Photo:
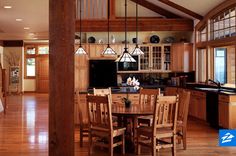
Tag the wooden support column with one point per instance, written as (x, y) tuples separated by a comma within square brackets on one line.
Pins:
[(61, 77)]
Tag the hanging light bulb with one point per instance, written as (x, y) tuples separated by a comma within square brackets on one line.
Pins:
[(80, 50), (125, 56), (108, 50), (137, 50)]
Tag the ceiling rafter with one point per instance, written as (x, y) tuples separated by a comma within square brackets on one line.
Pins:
[(182, 9), (156, 9)]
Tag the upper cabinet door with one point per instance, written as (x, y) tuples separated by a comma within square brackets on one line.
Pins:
[(182, 58), (145, 59)]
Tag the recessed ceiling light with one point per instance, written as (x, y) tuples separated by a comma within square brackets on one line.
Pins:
[(26, 28), (35, 38), (7, 7), (18, 19)]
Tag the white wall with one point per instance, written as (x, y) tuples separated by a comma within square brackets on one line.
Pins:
[(29, 85)]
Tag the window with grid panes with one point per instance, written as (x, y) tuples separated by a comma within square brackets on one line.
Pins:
[(223, 25)]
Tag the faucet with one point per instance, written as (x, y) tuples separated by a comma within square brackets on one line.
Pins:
[(217, 83)]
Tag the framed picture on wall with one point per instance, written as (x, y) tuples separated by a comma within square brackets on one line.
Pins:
[(14, 75)]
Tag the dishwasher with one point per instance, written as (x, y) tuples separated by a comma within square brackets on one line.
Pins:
[(212, 109)]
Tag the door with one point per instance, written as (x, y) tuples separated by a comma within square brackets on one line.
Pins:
[(42, 78)]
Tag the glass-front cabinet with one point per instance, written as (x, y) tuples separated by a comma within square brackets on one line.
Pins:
[(156, 57)]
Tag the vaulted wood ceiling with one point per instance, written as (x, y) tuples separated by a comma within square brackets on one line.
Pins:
[(178, 14)]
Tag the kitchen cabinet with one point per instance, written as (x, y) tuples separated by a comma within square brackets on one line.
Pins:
[(81, 71), (96, 50), (156, 57), (227, 111), (182, 57), (197, 105)]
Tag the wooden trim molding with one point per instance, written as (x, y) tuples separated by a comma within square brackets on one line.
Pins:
[(152, 24), (182, 9), (156, 9), (13, 43)]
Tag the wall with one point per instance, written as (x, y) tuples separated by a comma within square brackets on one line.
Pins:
[(142, 12), (29, 85)]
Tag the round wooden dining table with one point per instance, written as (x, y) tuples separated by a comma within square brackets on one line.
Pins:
[(133, 112)]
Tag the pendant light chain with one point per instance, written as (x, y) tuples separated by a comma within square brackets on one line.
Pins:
[(137, 23), (126, 26), (108, 22), (80, 21)]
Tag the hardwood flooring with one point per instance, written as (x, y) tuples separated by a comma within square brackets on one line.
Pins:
[(24, 132)]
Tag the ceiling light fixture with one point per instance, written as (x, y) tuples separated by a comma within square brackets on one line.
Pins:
[(18, 19), (7, 7), (108, 50), (125, 56), (80, 50), (26, 28), (137, 50)]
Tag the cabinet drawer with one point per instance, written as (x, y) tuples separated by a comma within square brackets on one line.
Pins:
[(118, 97), (198, 93), (224, 98)]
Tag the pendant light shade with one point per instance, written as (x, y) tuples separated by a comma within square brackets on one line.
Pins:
[(80, 50), (108, 50), (125, 56), (137, 50)]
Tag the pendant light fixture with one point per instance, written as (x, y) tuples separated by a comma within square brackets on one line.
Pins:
[(125, 56), (137, 50), (80, 50), (108, 50)]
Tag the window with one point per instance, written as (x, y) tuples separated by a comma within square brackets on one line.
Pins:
[(223, 25), (30, 67), (31, 54), (202, 35), (220, 65)]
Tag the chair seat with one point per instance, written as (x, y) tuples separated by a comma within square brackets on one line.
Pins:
[(105, 132), (160, 132)]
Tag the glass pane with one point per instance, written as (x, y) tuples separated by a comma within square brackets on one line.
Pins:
[(232, 13), (220, 65), (227, 34), (221, 33), (221, 25), (230, 67), (30, 67), (30, 50), (216, 34), (44, 50), (216, 25), (232, 21), (226, 23), (232, 31)]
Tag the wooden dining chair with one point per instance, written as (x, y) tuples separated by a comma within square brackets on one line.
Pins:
[(147, 99), (102, 91), (184, 98), (100, 124), (83, 118), (163, 126)]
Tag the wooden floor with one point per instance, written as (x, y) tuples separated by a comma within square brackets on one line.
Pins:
[(24, 132)]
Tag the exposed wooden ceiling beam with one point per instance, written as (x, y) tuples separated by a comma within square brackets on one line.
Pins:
[(180, 8), (156, 8), (151, 24)]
